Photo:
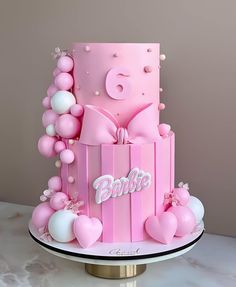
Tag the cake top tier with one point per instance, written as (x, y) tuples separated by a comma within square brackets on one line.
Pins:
[(119, 77)]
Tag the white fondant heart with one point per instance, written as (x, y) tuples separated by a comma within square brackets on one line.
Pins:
[(87, 230), (162, 228)]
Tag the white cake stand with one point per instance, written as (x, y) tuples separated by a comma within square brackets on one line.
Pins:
[(119, 260)]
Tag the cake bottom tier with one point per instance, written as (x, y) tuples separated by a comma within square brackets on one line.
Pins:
[(122, 185)]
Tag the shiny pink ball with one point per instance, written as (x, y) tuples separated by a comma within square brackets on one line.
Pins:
[(41, 214), (63, 81), (46, 102), (185, 218), (49, 117), (56, 72), (67, 126), (55, 183), (76, 110), (58, 200), (65, 64), (164, 129), (52, 89), (182, 195), (59, 146), (67, 156), (46, 145)]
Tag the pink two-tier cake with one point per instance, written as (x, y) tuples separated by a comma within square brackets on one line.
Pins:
[(116, 162)]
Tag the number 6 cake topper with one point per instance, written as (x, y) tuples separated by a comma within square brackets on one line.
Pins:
[(117, 84)]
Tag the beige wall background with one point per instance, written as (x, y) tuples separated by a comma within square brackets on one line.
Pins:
[(198, 78)]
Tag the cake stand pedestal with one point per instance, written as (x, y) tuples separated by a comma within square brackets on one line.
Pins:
[(119, 260)]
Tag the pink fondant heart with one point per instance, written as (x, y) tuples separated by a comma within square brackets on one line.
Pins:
[(87, 230), (162, 228)]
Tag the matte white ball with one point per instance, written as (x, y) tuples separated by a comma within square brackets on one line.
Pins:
[(197, 208), (60, 225), (162, 57), (50, 130), (62, 101)]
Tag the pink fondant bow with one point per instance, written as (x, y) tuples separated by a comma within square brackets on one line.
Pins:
[(100, 127)]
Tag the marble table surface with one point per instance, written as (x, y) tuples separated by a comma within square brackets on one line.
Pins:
[(211, 263)]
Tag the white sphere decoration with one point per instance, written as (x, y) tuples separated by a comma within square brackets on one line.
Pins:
[(62, 101), (162, 57), (50, 130), (60, 225), (197, 208)]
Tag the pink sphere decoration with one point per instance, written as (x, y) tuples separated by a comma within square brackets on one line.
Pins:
[(77, 110), (182, 195), (49, 117), (67, 126), (46, 102), (64, 81), (56, 72), (46, 146), (58, 200), (185, 218), (41, 214), (164, 129), (65, 64), (67, 156), (161, 107), (59, 146), (55, 183), (52, 89)]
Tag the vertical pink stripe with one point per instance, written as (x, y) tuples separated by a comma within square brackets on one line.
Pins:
[(73, 172), (172, 161), (135, 197), (64, 175), (122, 218), (148, 194), (107, 167), (82, 175), (162, 171), (94, 167)]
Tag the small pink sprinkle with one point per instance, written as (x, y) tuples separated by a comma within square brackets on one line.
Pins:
[(115, 55), (87, 49), (71, 179), (147, 69), (161, 107)]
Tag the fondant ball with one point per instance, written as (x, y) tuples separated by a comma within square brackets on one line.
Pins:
[(49, 117), (54, 183), (56, 72), (59, 146), (197, 208), (60, 225), (50, 130), (63, 81), (164, 129), (52, 89), (182, 195), (62, 101), (46, 146), (46, 102), (65, 64), (41, 214), (67, 156), (58, 200), (76, 110), (67, 126), (185, 219)]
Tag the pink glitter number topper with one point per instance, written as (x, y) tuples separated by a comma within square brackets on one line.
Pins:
[(106, 186), (117, 84)]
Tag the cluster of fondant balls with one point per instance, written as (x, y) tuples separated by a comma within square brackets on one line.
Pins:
[(61, 118)]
